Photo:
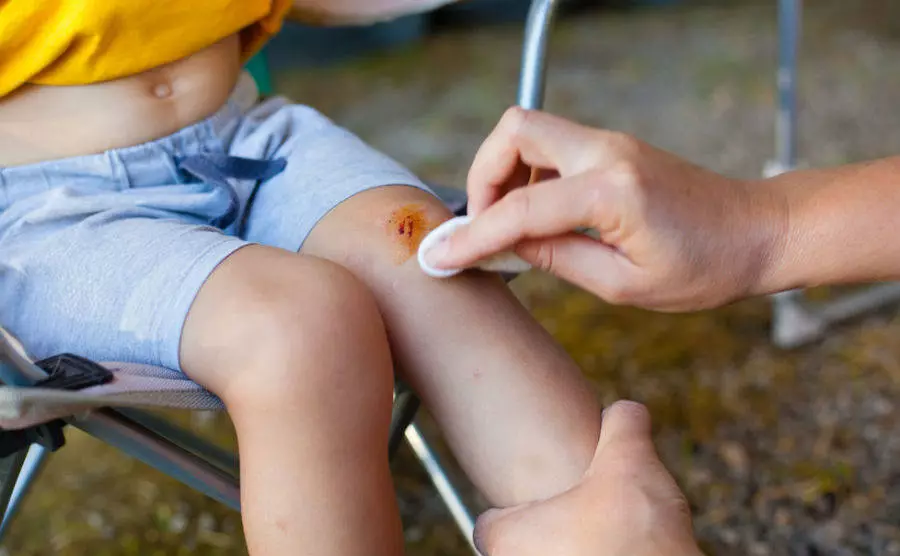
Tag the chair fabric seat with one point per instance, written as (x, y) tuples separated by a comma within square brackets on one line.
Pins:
[(133, 385)]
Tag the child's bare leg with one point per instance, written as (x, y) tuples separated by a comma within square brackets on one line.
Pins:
[(513, 405), (296, 348)]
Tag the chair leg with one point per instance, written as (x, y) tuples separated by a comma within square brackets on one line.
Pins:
[(11, 466), (441, 482), (226, 460), (30, 464), (406, 404), (533, 72), (161, 453)]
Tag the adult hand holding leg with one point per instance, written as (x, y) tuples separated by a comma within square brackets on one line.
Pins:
[(627, 504)]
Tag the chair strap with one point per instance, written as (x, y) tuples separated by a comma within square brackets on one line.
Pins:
[(79, 385)]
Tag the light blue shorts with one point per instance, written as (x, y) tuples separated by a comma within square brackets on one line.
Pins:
[(102, 255)]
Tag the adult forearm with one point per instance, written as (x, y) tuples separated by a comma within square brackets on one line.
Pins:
[(843, 226)]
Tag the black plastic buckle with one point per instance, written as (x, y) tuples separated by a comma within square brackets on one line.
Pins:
[(66, 372), (71, 372)]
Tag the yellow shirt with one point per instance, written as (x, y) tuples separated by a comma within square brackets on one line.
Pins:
[(76, 42)]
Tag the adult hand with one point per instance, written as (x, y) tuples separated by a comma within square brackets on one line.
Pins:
[(627, 504), (669, 235)]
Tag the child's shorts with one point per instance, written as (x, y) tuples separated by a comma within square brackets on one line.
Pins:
[(102, 255)]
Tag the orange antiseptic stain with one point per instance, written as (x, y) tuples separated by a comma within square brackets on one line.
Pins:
[(408, 226)]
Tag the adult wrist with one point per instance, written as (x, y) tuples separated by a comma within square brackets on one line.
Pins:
[(769, 239), (809, 220)]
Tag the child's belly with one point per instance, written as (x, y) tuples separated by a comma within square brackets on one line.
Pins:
[(43, 123)]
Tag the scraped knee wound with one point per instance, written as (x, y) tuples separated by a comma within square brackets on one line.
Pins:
[(407, 226), (501, 262)]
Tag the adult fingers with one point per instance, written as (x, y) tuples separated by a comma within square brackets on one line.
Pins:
[(585, 262), (530, 138), (545, 209)]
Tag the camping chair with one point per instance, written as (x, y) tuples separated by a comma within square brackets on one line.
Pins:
[(38, 399), (795, 319)]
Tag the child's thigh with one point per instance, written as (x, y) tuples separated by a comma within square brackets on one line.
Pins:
[(326, 165), (109, 287)]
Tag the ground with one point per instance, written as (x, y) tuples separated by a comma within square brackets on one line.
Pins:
[(781, 453)]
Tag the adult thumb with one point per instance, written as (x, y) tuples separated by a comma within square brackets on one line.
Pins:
[(625, 426), (487, 528)]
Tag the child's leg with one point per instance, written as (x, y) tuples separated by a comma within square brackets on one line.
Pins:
[(513, 405), (296, 348)]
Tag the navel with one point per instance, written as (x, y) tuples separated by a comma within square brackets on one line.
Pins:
[(162, 90)]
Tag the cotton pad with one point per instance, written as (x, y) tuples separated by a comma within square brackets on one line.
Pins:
[(501, 262)]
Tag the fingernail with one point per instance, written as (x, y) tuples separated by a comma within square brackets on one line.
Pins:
[(436, 255)]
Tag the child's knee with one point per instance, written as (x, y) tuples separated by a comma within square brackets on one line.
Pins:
[(312, 334), (382, 225)]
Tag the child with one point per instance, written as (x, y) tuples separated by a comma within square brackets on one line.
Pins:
[(153, 211)]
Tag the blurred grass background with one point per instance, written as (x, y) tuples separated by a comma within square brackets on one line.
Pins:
[(781, 453)]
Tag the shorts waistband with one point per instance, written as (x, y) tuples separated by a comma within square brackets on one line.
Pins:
[(145, 164)]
